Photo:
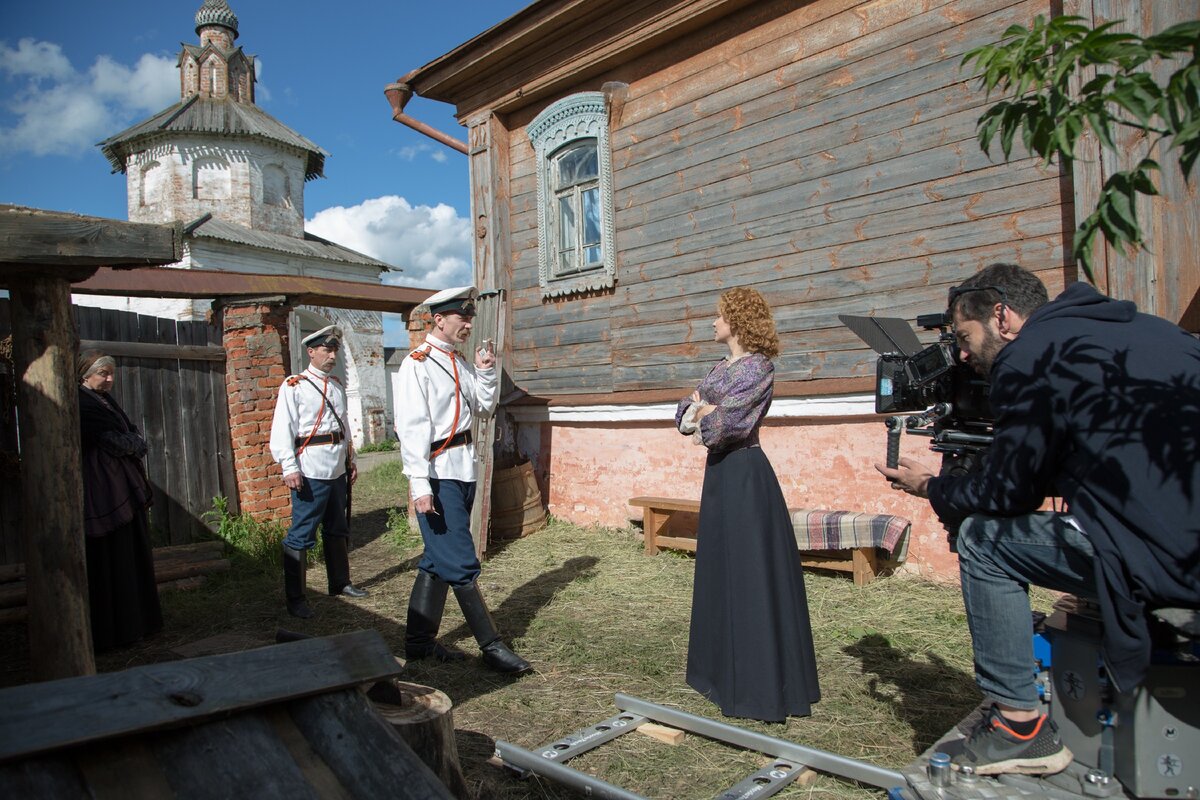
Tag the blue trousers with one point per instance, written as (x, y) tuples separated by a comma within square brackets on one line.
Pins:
[(449, 550), (317, 502), (998, 559)]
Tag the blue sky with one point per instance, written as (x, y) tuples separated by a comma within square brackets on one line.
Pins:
[(73, 73)]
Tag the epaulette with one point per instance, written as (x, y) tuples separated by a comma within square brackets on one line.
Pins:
[(293, 380), (420, 354)]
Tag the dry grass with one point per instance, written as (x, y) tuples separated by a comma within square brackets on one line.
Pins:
[(595, 616)]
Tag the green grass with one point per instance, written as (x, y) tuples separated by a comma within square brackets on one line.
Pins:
[(596, 616)]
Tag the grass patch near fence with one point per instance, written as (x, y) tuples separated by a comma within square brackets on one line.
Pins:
[(596, 616)]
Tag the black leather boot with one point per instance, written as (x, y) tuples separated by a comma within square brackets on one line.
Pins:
[(425, 607), (337, 567), (495, 653), (295, 564)]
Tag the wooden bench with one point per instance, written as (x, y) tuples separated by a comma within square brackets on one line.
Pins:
[(657, 513)]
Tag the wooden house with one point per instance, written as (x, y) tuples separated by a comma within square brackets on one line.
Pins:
[(631, 159)]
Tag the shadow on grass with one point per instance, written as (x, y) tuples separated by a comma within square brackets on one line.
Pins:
[(930, 696)]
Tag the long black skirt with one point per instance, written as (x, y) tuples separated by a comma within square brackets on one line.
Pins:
[(121, 586), (750, 649)]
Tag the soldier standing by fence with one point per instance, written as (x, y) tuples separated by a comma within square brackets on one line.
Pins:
[(311, 442)]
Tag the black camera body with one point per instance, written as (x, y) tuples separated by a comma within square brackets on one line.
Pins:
[(949, 398)]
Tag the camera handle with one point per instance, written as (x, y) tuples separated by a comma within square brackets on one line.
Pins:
[(894, 427)]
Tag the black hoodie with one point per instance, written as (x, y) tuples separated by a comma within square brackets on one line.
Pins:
[(1100, 404)]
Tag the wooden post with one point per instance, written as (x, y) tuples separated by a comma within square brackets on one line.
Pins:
[(44, 342)]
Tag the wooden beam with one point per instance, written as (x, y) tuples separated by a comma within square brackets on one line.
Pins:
[(60, 633), (54, 241), (299, 290), (40, 717), (152, 350)]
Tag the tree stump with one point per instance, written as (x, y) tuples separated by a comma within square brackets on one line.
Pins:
[(423, 718)]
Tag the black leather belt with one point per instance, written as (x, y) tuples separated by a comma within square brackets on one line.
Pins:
[(457, 440), (321, 438)]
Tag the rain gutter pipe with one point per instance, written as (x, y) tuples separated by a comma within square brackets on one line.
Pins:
[(398, 95)]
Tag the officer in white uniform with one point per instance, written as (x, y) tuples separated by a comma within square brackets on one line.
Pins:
[(311, 442), (440, 394)]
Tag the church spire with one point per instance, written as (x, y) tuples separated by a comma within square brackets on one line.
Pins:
[(215, 68)]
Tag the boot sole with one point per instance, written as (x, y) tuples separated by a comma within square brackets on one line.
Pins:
[(1047, 765)]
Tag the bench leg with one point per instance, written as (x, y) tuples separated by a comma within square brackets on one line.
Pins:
[(652, 525), (865, 565)]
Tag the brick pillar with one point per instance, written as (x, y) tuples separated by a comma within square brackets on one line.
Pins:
[(255, 334)]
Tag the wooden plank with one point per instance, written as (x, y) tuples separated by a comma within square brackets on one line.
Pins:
[(150, 389), (45, 716), (51, 777), (176, 446), (121, 348), (236, 757), (55, 239), (662, 733), (665, 503), (367, 755), (43, 354), (193, 435), (315, 771), (222, 437), (123, 769)]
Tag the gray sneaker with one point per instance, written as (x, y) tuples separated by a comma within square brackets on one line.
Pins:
[(993, 748)]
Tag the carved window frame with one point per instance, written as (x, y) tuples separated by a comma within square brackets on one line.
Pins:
[(579, 116)]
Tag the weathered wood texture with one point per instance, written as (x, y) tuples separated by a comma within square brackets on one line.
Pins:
[(171, 565), (43, 351), (1164, 277), (825, 155), (171, 382), (53, 241), (424, 718), (281, 721)]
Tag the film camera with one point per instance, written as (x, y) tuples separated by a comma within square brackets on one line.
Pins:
[(952, 400)]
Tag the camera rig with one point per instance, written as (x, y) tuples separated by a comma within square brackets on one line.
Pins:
[(951, 400)]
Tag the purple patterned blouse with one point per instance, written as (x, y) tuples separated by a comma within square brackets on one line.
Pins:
[(741, 391)]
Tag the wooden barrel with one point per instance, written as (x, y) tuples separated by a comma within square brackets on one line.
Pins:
[(516, 503)]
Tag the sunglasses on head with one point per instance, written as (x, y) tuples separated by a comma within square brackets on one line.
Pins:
[(958, 291)]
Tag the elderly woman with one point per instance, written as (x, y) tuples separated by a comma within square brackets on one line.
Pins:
[(750, 648), (120, 565)]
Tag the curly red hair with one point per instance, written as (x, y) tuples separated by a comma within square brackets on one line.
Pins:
[(750, 320)]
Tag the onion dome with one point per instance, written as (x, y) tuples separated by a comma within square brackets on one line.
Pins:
[(216, 12)]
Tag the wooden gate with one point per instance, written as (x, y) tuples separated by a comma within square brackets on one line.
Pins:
[(171, 382)]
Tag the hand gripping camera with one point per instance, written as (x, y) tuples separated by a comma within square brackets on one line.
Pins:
[(910, 377)]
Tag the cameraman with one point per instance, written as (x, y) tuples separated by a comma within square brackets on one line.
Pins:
[(1100, 405)]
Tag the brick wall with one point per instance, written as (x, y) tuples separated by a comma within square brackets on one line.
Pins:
[(256, 347)]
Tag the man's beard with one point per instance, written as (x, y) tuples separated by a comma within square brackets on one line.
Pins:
[(983, 360)]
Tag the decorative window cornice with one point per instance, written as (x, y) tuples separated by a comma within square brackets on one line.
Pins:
[(579, 116)]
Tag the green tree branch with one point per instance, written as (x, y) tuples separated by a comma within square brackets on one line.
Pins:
[(1035, 67)]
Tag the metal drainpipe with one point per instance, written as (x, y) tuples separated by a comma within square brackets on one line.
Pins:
[(398, 95)]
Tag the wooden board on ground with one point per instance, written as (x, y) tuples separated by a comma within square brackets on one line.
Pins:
[(287, 720)]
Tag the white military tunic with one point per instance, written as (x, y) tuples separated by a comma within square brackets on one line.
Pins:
[(297, 410), (425, 413)]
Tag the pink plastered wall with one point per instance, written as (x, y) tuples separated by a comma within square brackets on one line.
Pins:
[(588, 472)]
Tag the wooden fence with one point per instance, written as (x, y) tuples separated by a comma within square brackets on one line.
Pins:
[(171, 382)]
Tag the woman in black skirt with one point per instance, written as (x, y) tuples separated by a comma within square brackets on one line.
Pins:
[(750, 648), (120, 566)]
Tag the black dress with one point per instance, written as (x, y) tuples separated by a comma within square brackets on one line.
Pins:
[(122, 590), (750, 647)]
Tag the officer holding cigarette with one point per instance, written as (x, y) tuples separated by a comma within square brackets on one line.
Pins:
[(440, 394)]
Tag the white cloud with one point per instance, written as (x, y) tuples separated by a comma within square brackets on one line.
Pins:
[(432, 244), (410, 152), (61, 111), (35, 59)]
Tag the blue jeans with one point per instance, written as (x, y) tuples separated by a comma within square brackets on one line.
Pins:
[(998, 559), (317, 502), (449, 549)]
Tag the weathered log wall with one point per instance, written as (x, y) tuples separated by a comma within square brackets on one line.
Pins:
[(825, 155)]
